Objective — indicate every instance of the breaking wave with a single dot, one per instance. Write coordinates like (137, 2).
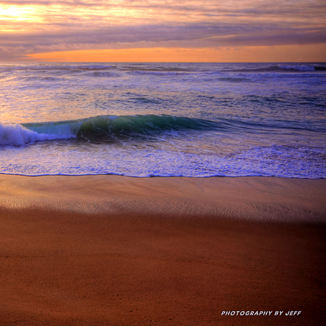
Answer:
(100, 128)
(115, 128)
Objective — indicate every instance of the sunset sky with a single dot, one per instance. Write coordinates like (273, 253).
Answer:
(156, 30)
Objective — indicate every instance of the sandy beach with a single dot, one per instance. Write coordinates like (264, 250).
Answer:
(110, 250)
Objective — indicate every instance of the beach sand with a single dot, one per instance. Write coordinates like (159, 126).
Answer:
(110, 250)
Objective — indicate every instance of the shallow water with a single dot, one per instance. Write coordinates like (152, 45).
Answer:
(163, 119)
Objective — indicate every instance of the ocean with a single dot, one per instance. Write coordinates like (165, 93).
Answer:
(164, 119)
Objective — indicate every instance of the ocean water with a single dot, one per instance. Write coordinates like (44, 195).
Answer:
(169, 119)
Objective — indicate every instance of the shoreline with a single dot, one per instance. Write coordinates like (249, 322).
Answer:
(95, 251)
(159, 176)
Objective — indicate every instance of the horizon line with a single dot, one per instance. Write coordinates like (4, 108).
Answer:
(186, 62)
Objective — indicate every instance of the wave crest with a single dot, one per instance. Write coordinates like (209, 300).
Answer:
(116, 128)
(100, 128)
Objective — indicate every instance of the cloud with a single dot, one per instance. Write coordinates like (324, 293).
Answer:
(43, 25)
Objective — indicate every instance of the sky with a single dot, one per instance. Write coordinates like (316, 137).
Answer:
(163, 30)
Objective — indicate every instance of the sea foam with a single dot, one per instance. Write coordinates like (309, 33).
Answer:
(18, 135)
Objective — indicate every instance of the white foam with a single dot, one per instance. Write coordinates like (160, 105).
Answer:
(18, 135)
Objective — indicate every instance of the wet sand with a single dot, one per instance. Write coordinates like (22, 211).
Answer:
(111, 250)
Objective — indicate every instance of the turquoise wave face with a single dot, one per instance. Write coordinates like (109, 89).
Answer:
(110, 128)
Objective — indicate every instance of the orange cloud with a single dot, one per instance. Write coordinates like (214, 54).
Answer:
(224, 54)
